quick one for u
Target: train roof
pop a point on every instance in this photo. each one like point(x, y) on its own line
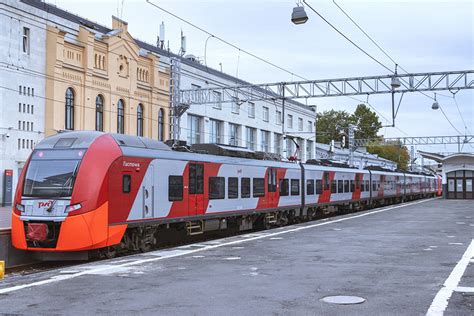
point(145, 147)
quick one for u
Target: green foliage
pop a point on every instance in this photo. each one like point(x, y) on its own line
point(366, 121)
point(333, 125)
point(395, 152)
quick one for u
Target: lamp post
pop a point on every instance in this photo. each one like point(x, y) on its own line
point(395, 84)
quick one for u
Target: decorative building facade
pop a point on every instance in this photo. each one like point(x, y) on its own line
point(61, 72)
point(104, 82)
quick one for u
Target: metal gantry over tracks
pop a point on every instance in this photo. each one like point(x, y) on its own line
point(415, 82)
point(418, 141)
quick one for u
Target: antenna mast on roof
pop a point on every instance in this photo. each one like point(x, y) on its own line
point(182, 50)
point(160, 42)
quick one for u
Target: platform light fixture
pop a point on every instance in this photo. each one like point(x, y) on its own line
point(395, 83)
point(299, 15)
point(435, 105)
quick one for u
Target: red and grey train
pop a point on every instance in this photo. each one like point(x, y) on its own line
point(85, 190)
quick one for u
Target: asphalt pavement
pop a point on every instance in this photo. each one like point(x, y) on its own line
point(396, 258)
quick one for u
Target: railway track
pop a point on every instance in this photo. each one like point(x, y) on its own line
point(170, 240)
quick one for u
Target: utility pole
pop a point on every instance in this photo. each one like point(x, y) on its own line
point(351, 144)
point(175, 96)
point(283, 138)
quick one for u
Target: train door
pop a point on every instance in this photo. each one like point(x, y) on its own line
point(196, 189)
point(272, 187)
point(148, 191)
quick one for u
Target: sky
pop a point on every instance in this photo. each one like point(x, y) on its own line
point(420, 35)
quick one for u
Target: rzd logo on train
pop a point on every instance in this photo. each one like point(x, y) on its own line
point(45, 204)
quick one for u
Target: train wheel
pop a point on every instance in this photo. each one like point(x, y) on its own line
point(110, 252)
point(145, 247)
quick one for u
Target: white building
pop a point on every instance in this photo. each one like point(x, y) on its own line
point(22, 80)
point(254, 125)
point(360, 159)
point(23, 30)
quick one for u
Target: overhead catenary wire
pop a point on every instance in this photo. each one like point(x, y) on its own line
point(224, 41)
point(399, 66)
point(293, 74)
point(262, 59)
point(347, 38)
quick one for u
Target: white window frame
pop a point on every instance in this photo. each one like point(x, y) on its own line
point(266, 114)
point(26, 40)
point(251, 109)
point(265, 139)
point(300, 124)
point(217, 100)
point(235, 106)
point(236, 138)
point(289, 121)
point(278, 118)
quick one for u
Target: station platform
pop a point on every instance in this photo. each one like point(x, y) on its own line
point(5, 217)
point(400, 259)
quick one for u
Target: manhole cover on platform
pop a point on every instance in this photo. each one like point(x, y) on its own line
point(343, 299)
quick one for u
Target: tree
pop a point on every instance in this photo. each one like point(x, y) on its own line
point(366, 121)
point(394, 152)
point(331, 125)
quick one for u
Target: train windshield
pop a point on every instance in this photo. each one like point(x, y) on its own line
point(51, 173)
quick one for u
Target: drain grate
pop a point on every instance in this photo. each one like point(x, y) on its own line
point(343, 299)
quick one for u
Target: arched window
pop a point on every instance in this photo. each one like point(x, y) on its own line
point(120, 117)
point(161, 125)
point(69, 109)
point(99, 113)
point(140, 120)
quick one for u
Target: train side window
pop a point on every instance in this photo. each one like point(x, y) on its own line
point(326, 181)
point(295, 187)
point(346, 186)
point(362, 186)
point(196, 178)
point(258, 187)
point(245, 187)
point(340, 186)
point(367, 185)
point(352, 186)
point(126, 183)
point(175, 188)
point(216, 188)
point(310, 187)
point(334, 186)
point(284, 187)
point(272, 180)
point(233, 188)
point(319, 186)
point(374, 185)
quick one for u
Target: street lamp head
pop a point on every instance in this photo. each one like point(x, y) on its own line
point(435, 104)
point(299, 15)
point(395, 83)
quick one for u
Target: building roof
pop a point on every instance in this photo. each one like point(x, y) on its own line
point(357, 154)
point(444, 158)
point(54, 10)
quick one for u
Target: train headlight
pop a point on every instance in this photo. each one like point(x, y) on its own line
point(20, 207)
point(74, 207)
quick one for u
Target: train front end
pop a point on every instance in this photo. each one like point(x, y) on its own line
point(61, 200)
